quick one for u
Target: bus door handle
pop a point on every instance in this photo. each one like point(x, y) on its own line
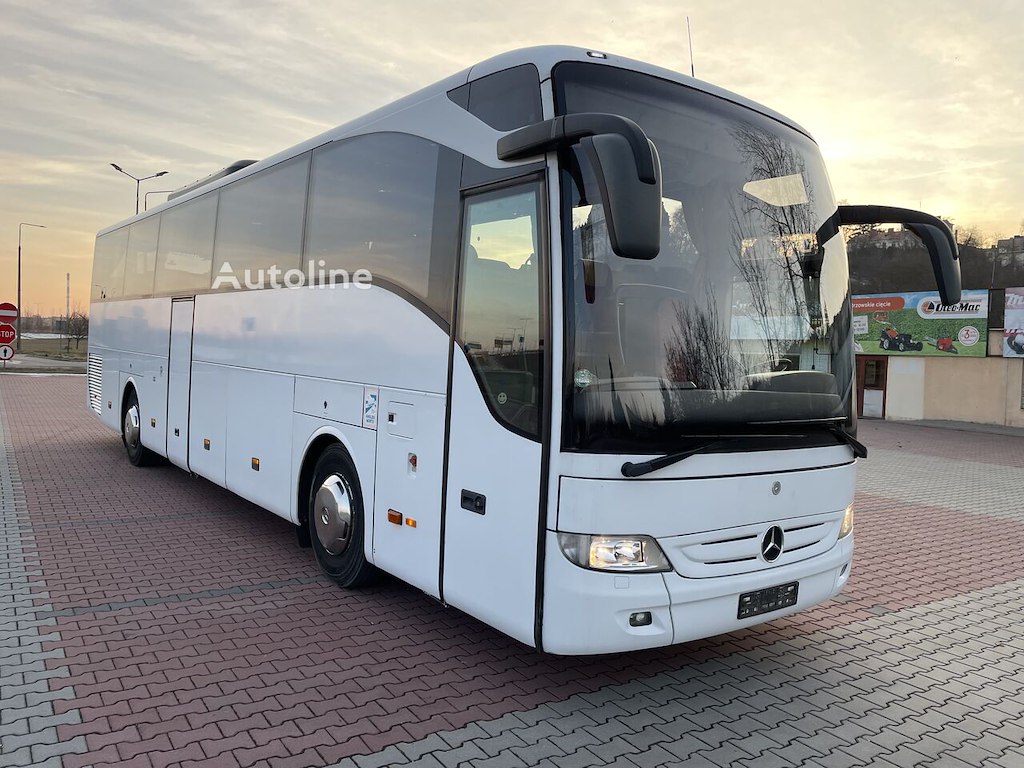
point(474, 502)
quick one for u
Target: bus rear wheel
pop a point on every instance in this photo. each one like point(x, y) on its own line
point(131, 433)
point(336, 522)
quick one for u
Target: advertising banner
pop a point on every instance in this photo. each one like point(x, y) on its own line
point(1013, 323)
point(919, 324)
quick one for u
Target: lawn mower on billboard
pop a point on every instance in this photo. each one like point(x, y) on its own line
point(890, 339)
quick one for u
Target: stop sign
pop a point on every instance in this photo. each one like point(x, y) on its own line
point(7, 334)
point(8, 312)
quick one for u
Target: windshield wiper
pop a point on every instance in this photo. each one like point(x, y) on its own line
point(835, 427)
point(636, 469)
point(859, 449)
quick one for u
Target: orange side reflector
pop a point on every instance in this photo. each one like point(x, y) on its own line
point(394, 516)
point(410, 522)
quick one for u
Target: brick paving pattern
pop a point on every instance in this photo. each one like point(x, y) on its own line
point(149, 618)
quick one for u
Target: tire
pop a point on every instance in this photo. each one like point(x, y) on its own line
point(901, 347)
point(131, 433)
point(884, 344)
point(336, 521)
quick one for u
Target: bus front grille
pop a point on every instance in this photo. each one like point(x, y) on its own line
point(95, 378)
point(738, 550)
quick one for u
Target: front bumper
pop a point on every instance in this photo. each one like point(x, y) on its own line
point(587, 612)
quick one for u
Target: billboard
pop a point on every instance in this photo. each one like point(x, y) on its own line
point(920, 324)
point(1013, 323)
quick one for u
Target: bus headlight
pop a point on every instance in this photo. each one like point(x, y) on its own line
point(847, 527)
point(613, 553)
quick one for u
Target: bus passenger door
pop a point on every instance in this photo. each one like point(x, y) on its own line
point(179, 380)
point(489, 561)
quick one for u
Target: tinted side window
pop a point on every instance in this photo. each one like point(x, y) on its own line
point(108, 265)
point(259, 223)
point(372, 207)
point(499, 307)
point(505, 100)
point(140, 262)
point(186, 247)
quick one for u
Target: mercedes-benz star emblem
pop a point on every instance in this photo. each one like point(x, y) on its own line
point(771, 544)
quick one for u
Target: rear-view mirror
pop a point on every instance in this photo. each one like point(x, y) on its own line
point(933, 232)
point(945, 264)
point(632, 207)
point(626, 165)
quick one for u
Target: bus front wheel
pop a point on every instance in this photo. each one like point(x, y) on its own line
point(131, 432)
point(335, 520)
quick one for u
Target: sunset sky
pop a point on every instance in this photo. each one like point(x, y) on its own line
point(913, 104)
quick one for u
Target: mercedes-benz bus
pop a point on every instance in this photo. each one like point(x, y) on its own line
point(563, 341)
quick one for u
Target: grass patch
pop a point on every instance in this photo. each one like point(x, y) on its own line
point(55, 349)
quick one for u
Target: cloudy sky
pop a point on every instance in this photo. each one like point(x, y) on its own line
point(913, 104)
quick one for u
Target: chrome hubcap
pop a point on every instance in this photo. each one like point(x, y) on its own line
point(131, 426)
point(333, 514)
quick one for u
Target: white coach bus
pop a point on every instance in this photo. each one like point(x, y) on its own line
point(563, 341)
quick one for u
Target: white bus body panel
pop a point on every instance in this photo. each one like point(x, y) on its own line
point(207, 421)
point(258, 459)
point(663, 508)
point(179, 376)
point(132, 338)
point(328, 400)
point(365, 335)
point(409, 424)
point(490, 559)
point(110, 398)
point(248, 347)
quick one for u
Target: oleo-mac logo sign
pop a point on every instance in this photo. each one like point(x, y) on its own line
point(932, 308)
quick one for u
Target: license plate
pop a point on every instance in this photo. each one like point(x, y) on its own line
point(767, 600)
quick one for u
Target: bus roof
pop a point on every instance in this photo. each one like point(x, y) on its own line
point(544, 57)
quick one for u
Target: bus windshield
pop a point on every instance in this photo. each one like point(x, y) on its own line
point(741, 324)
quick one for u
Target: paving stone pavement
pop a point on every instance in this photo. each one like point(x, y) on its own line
point(28, 686)
point(148, 618)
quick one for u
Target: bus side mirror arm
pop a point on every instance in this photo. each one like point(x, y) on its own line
point(932, 231)
point(626, 166)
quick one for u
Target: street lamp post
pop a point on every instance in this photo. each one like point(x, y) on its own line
point(138, 181)
point(20, 313)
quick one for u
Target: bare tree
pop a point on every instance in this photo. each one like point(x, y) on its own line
point(77, 327)
point(700, 350)
point(969, 237)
